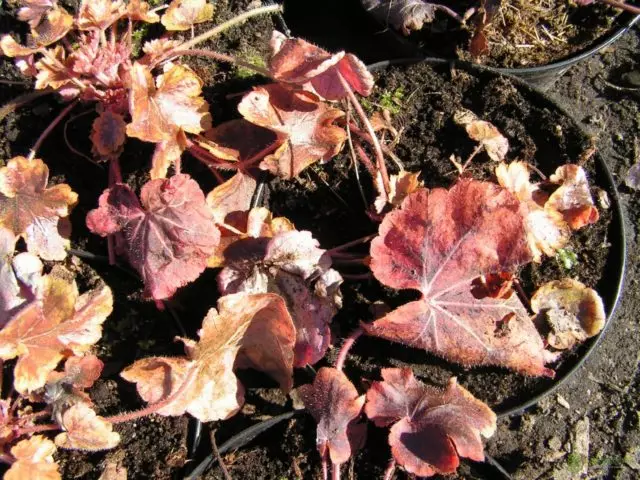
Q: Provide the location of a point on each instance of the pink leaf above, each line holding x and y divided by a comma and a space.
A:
431, 428
438, 243
296, 61
335, 404
168, 238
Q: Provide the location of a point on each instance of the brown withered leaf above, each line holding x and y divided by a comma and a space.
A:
32, 11
30, 209
85, 430
247, 331
58, 324
139, 10
495, 144
184, 14
304, 124
154, 49
10, 48
52, 72
113, 471
34, 460
174, 102
66, 388
402, 184
54, 25
573, 197
108, 134
573, 311
167, 153
234, 195
99, 14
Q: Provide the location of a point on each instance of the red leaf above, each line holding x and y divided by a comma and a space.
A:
438, 243
573, 197
334, 403
432, 428
304, 124
295, 61
168, 238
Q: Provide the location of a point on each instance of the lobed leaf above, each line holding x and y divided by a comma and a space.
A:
438, 243
184, 14
34, 460
108, 134
137, 10
85, 430
30, 209
253, 331
99, 14
167, 236
431, 428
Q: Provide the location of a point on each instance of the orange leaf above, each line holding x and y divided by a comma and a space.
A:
234, 195
31, 210
99, 14
495, 144
139, 10
108, 134
32, 11
304, 124
59, 323
34, 460
247, 331
55, 25
159, 111
85, 430
184, 14
573, 197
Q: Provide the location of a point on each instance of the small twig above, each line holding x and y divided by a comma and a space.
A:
356, 276
48, 130
521, 293
346, 346
622, 6
218, 457
354, 158
222, 57
364, 158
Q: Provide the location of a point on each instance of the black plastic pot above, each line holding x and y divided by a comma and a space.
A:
611, 290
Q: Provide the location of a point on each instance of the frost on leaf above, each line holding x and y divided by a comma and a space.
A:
438, 243
184, 14
30, 209
432, 428
572, 311
85, 430
19, 276
298, 62
108, 134
573, 197
173, 105
404, 15
486, 134
334, 403
292, 265
58, 324
34, 460
99, 14
247, 331
547, 230
305, 126
167, 236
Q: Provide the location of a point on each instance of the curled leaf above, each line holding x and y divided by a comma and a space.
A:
65, 389
335, 404
573, 197
495, 144
296, 61
405, 15
402, 184
247, 331
438, 243
167, 237
305, 126
54, 25
34, 460
33, 11
572, 311
30, 209
139, 10
99, 14
85, 430
58, 324
431, 428
184, 14
108, 134
234, 195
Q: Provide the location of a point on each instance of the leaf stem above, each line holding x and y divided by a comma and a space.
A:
352, 243
229, 24
391, 468
346, 346
223, 57
52, 125
367, 124
387, 151
22, 100
622, 6
335, 471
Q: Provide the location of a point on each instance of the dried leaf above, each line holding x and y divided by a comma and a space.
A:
438, 242
99, 14
33, 11
10, 48
167, 153
113, 471
52, 71
58, 324
573, 197
234, 195
137, 10
85, 430
174, 103
291, 265
431, 428
31, 210
54, 25
305, 127
34, 460
573, 311
154, 49
108, 134
79, 374
495, 144
402, 184
167, 239
184, 14
335, 404
547, 232
298, 62
249, 330
403, 15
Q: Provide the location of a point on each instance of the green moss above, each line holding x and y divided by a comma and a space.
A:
137, 37
253, 57
574, 462
391, 100
566, 258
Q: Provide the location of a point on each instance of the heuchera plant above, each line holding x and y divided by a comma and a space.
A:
459, 247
